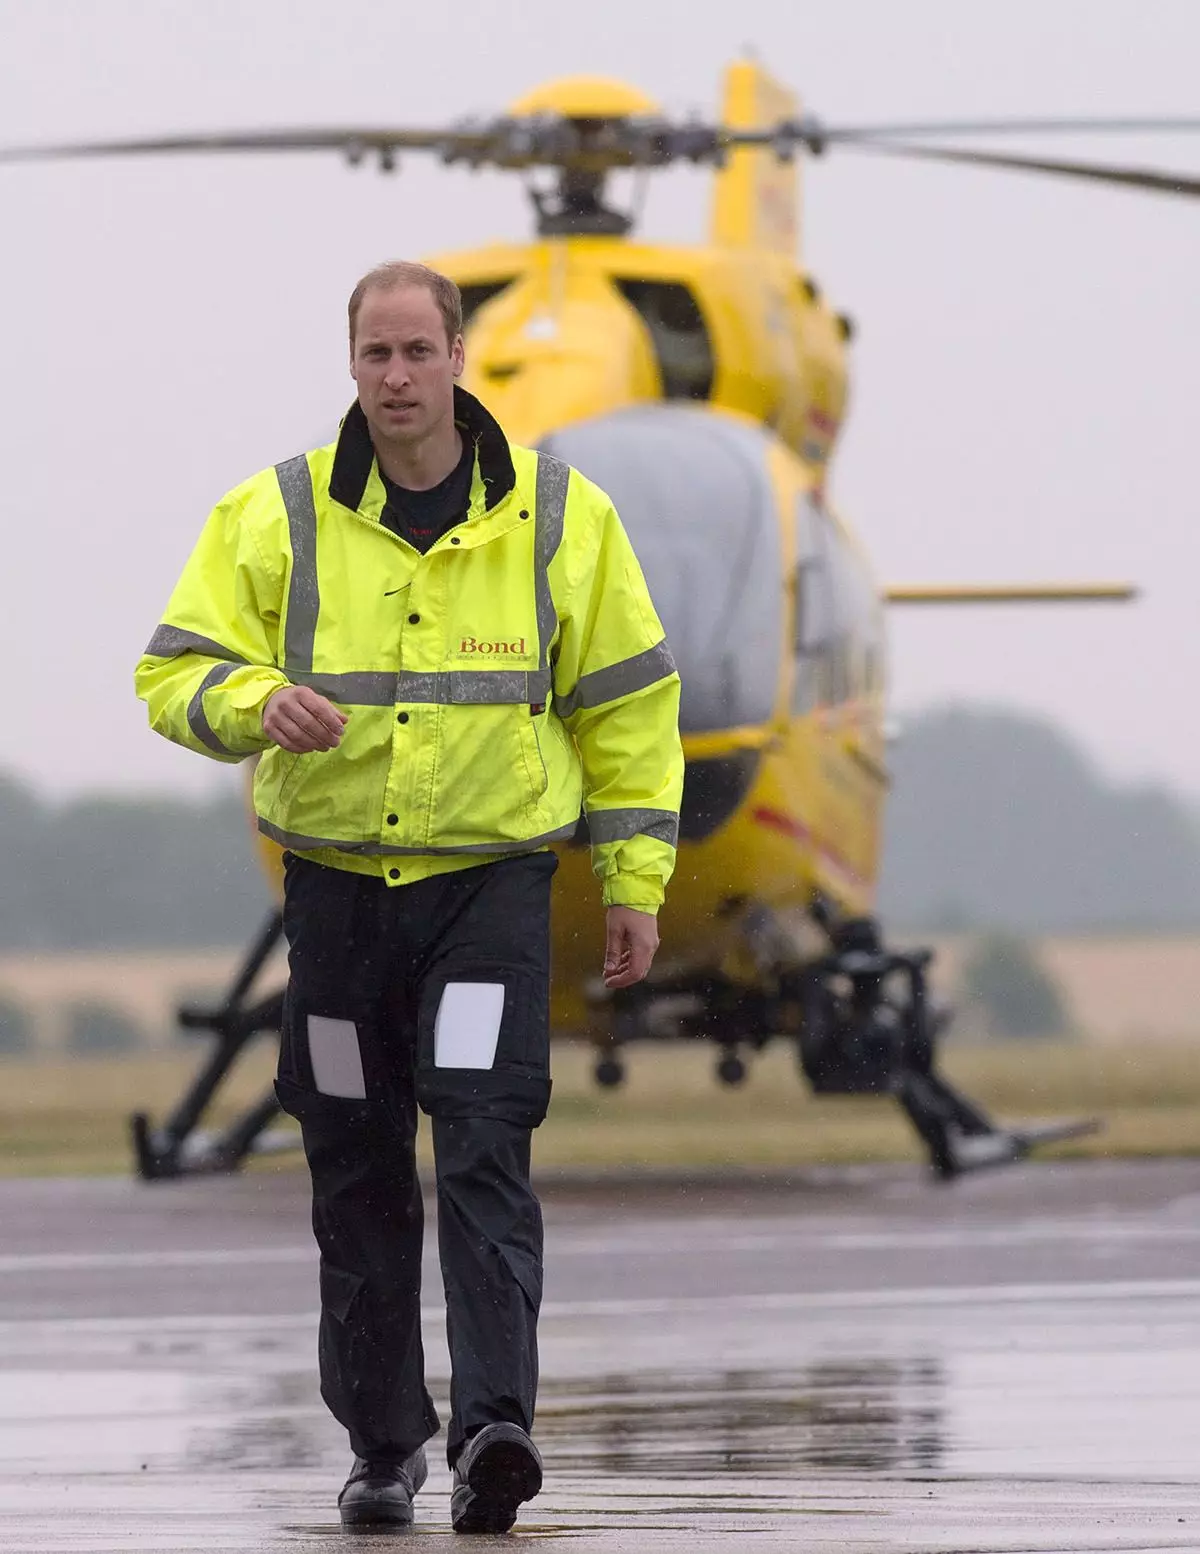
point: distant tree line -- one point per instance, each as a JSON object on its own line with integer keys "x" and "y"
{"x": 107, "y": 872}
{"x": 999, "y": 820}
{"x": 995, "y": 821}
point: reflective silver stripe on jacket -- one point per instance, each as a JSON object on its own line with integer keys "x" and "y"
{"x": 198, "y": 721}
{"x": 553, "y": 478}
{"x": 171, "y": 641}
{"x": 362, "y": 688}
{"x": 618, "y": 825}
{"x": 446, "y": 688}
{"x": 304, "y": 844}
{"x": 621, "y": 679}
{"x": 382, "y": 688}
{"x": 304, "y": 597}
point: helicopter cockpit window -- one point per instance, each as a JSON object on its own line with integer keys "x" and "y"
{"x": 682, "y": 345}
{"x": 695, "y": 496}
{"x": 474, "y": 296}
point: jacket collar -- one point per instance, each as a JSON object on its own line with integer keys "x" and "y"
{"x": 355, "y": 454}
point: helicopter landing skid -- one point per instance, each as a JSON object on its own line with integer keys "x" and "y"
{"x": 868, "y": 1024}
{"x": 180, "y": 1147}
{"x": 961, "y": 1138}
{"x": 862, "y": 1022}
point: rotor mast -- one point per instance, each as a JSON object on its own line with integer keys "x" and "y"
{"x": 591, "y": 106}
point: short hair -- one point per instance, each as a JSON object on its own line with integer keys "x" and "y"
{"x": 402, "y": 272}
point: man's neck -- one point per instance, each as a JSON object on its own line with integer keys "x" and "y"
{"x": 422, "y": 465}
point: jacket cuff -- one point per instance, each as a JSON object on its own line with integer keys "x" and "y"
{"x": 644, "y": 892}
{"x": 245, "y": 703}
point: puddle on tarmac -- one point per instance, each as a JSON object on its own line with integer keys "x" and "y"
{"x": 229, "y": 1405}
{"x": 228, "y": 1440}
{"x": 1025, "y": 1390}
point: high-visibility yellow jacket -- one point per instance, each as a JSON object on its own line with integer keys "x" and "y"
{"x": 495, "y": 685}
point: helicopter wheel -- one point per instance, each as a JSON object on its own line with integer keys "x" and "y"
{"x": 731, "y": 1070}
{"x": 609, "y": 1073}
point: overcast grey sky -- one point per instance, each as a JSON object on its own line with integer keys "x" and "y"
{"x": 1026, "y": 376}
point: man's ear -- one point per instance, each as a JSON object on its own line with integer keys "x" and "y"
{"x": 458, "y": 356}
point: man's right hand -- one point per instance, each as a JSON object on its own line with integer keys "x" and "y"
{"x": 299, "y": 720}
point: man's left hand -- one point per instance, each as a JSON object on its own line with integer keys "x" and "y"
{"x": 632, "y": 938}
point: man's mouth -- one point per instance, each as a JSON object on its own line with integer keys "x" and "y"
{"x": 399, "y": 404}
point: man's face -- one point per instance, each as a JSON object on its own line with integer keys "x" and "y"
{"x": 403, "y": 364}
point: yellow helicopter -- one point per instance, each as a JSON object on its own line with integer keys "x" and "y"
{"x": 704, "y": 388}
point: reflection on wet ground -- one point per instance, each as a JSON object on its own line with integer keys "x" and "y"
{"x": 995, "y": 1416}
{"x": 833, "y": 1417}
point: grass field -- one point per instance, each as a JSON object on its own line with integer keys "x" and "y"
{"x": 63, "y": 1116}
{"x": 1117, "y": 988}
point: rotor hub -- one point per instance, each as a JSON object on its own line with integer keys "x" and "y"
{"x": 585, "y": 97}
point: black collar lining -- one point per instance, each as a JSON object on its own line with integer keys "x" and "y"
{"x": 356, "y": 453}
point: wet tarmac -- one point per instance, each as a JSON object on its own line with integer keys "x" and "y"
{"x": 859, "y": 1361}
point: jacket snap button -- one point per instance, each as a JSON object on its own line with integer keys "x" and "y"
{"x": 393, "y": 820}
{"x": 454, "y": 540}
{"x": 394, "y": 874}
{"x": 413, "y": 619}
{"x": 524, "y": 512}
{"x": 402, "y": 717}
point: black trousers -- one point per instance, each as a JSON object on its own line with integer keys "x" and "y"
{"x": 433, "y": 994}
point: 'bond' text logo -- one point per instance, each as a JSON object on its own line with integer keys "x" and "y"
{"x": 473, "y": 645}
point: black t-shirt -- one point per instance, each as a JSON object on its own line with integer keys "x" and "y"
{"x": 422, "y": 517}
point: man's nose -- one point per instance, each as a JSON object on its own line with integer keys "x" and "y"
{"x": 397, "y": 375}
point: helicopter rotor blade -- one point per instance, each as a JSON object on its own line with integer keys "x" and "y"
{"x": 833, "y": 134}
{"x": 600, "y": 147}
{"x": 345, "y": 140}
{"x": 1129, "y": 177}
{"x": 507, "y": 143}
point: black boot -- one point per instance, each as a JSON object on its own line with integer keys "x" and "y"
{"x": 380, "y": 1494}
{"x": 498, "y": 1468}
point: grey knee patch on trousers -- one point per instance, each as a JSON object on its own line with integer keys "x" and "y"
{"x": 336, "y": 1058}
{"x": 466, "y": 1028}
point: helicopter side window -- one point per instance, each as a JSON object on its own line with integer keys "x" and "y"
{"x": 841, "y": 677}
{"x": 678, "y": 333}
{"x": 474, "y": 296}
{"x": 866, "y": 667}
{"x": 814, "y": 628}
{"x": 836, "y": 635}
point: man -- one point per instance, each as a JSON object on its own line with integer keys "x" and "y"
{"x": 441, "y": 645}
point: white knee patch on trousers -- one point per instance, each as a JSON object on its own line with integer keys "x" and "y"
{"x": 336, "y": 1058}
{"x": 467, "y": 1026}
